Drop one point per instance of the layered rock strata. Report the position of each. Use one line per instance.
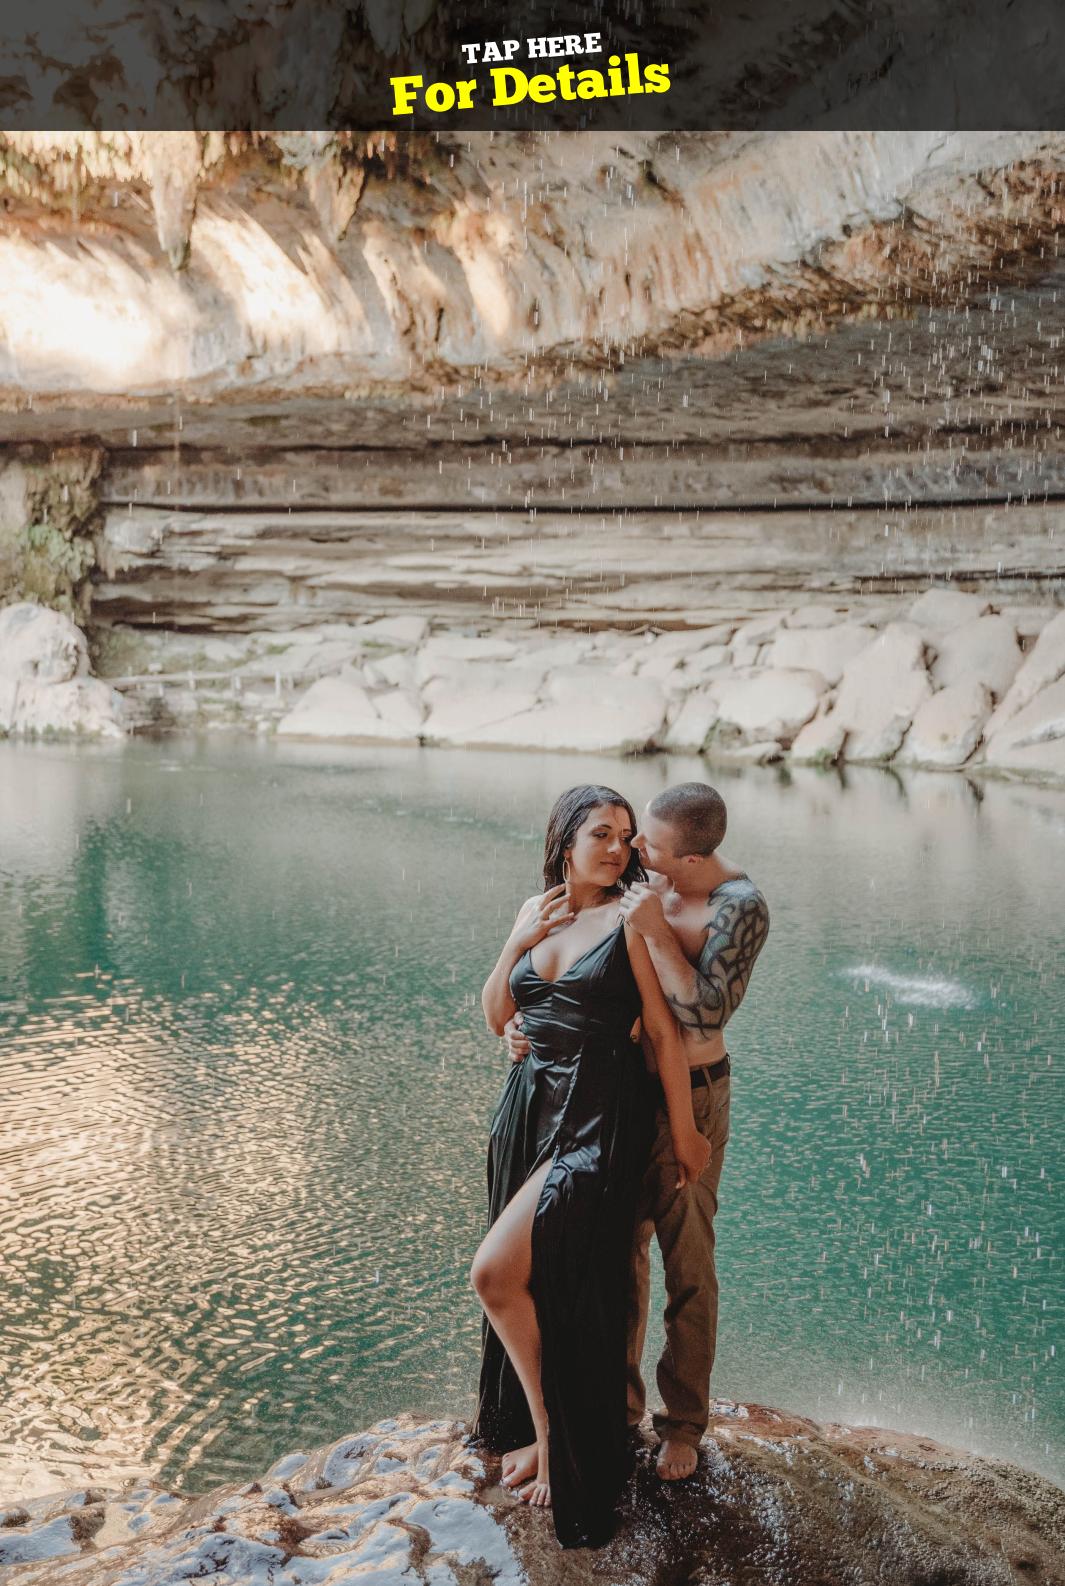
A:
(584, 397)
(776, 1499)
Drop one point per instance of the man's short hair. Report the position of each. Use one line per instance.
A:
(697, 815)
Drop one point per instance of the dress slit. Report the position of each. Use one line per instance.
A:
(579, 1100)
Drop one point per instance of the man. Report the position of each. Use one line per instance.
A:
(704, 922)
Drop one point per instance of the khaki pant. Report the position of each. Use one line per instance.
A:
(683, 1221)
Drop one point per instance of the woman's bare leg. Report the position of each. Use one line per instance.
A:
(501, 1274)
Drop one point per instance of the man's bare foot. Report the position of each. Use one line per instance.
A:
(676, 1461)
(538, 1493)
(519, 1466)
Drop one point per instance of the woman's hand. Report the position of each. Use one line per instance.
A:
(540, 916)
(693, 1154)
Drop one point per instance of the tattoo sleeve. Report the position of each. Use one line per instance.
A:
(735, 935)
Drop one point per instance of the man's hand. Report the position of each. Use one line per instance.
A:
(642, 909)
(517, 1044)
(693, 1155)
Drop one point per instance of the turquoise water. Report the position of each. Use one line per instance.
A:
(246, 1086)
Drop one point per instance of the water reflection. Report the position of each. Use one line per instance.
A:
(247, 1085)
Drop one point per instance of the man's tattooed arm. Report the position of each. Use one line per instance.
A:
(735, 935)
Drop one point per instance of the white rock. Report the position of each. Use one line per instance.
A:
(452, 678)
(467, 1533)
(435, 659)
(397, 670)
(821, 741)
(84, 706)
(458, 647)
(660, 658)
(709, 659)
(690, 727)
(403, 632)
(824, 650)
(558, 652)
(773, 704)
(1043, 664)
(310, 658)
(939, 610)
(338, 707)
(983, 651)
(485, 715)
(43, 1542)
(813, 617)
(760, 629)
(42, 645)
(948, 727)
(760, 753)
(1033, 740)
(881, 691)
(400, 709)
(590, 711)
(742, 656)
(1031, 620)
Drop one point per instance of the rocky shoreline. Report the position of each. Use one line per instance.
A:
(949, 680)
(776, 1499)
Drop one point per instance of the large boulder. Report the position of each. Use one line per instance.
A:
(770, 705)
(446, 655)
(710, 659)
(44, 683)
(588, 710)
(691, 723)
(1043, 665)
(940, 610)
(401, 633)
(82, 707)
(40, 645)
(479, 716)
(982, 651)
(881, 691)
(821, 741)
(1032, 740)
(825, 650)
(340, 707)
(948, 727)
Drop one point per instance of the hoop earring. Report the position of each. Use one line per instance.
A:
(565, 871)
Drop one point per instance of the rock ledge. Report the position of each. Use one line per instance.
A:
(777, 1499)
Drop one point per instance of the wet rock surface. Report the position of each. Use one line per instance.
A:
(777, 1500)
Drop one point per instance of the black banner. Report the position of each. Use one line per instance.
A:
(454, 65)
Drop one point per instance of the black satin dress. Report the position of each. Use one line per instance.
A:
(581, 1100)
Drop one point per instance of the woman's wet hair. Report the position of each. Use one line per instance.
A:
(571, 810)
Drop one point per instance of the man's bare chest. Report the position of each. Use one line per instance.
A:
(689, 923)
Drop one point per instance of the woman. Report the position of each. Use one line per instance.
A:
(568, 1145)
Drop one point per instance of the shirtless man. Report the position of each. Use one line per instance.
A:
(704, 922)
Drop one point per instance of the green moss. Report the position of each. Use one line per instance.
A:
(50, 516)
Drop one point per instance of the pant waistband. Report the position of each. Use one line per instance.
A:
(707, 1075)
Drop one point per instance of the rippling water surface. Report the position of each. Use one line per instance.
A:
(246, 1086)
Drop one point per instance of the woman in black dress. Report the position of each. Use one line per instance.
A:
(568, 1146)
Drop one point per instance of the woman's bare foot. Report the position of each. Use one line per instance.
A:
(538, 1493)
(676, 1461)
(519, 1466)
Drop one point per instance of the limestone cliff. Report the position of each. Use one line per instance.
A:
(597, 383)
